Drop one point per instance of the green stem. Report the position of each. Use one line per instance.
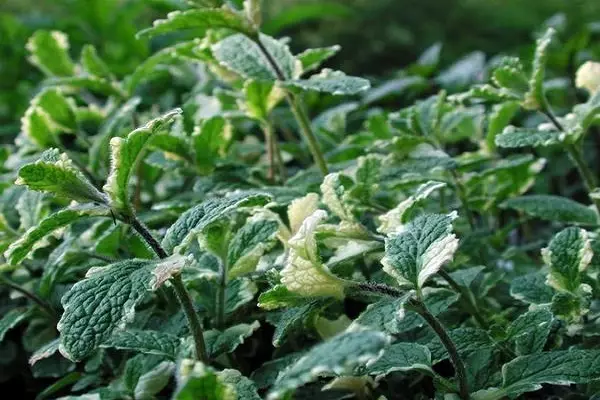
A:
(192, 317)
(298, 111)
(31, 296)
(468, 297)
(461, 193)
(461, 373)
(576, 157)
(183, 295)
(221, 297)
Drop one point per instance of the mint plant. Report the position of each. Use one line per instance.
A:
(265, 228)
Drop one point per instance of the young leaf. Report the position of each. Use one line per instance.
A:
(304, 273)
(51, 104)
(553, 208)
(126, 154)
(278, 297)
(335, 195)
(56, 174)
(210, 139)
(340, 355)
(197, 381)
(49, 51)
(393, 221)
(560, 367)
(93, 64)
(568, 255)
(20, 249)
(291, 319)
(312, 59)
(242, 55)
(420, 250)
(535, 97)
(227, 341)
(89, 82)
(402, 357)
(499, 119)
(333, 82)
(147, 342)
(530, 331)
(199, 20)
(192, 222)
(100, 304)
(150, 383)
(249, 244)
(261, 98)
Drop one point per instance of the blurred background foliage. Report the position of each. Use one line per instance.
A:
(379, 37)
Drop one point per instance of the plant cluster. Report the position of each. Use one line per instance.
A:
(219, 243)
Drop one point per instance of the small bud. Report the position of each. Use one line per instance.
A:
(588, 77)
(253, 12)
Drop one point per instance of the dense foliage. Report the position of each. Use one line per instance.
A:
(231, 220)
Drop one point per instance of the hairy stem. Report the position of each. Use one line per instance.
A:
(31, 296)
(461, 373)
(468, 297)
(298, 111)
(192, 317)
(576, 156)
(379, 289)
(183, 295)
(462, 196)
(221, 297)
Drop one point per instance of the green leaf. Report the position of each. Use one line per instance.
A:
(99, 151)
(49, 51)
(249, 244)
(31, 208)
(367, 177)
(50, 113)
(89, 82)
(199, 20)
(245, 388)
(511, 138)
(266, 374)
(192, 222)
(402, 357)
(535, 97)
(530, 331)
(56, 174)
(12, 319)
(148, 67)
(568, 255)
(553, 208)
(333, 82)
(93, 64)
(380, 315)
(339, 355)
(420, 250)
(561, 367)
(144, 376)
(126, 154)
(291, 319)
(147, 342)
(210, 139)
(531, 288)
(499, 119)
(219, 342)
(102, 303)
(197, 381)
(175, 147)
(279, 296)
(466, 340)
(20, 249)
(45, 351)
(312, 59)
(243, 56)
